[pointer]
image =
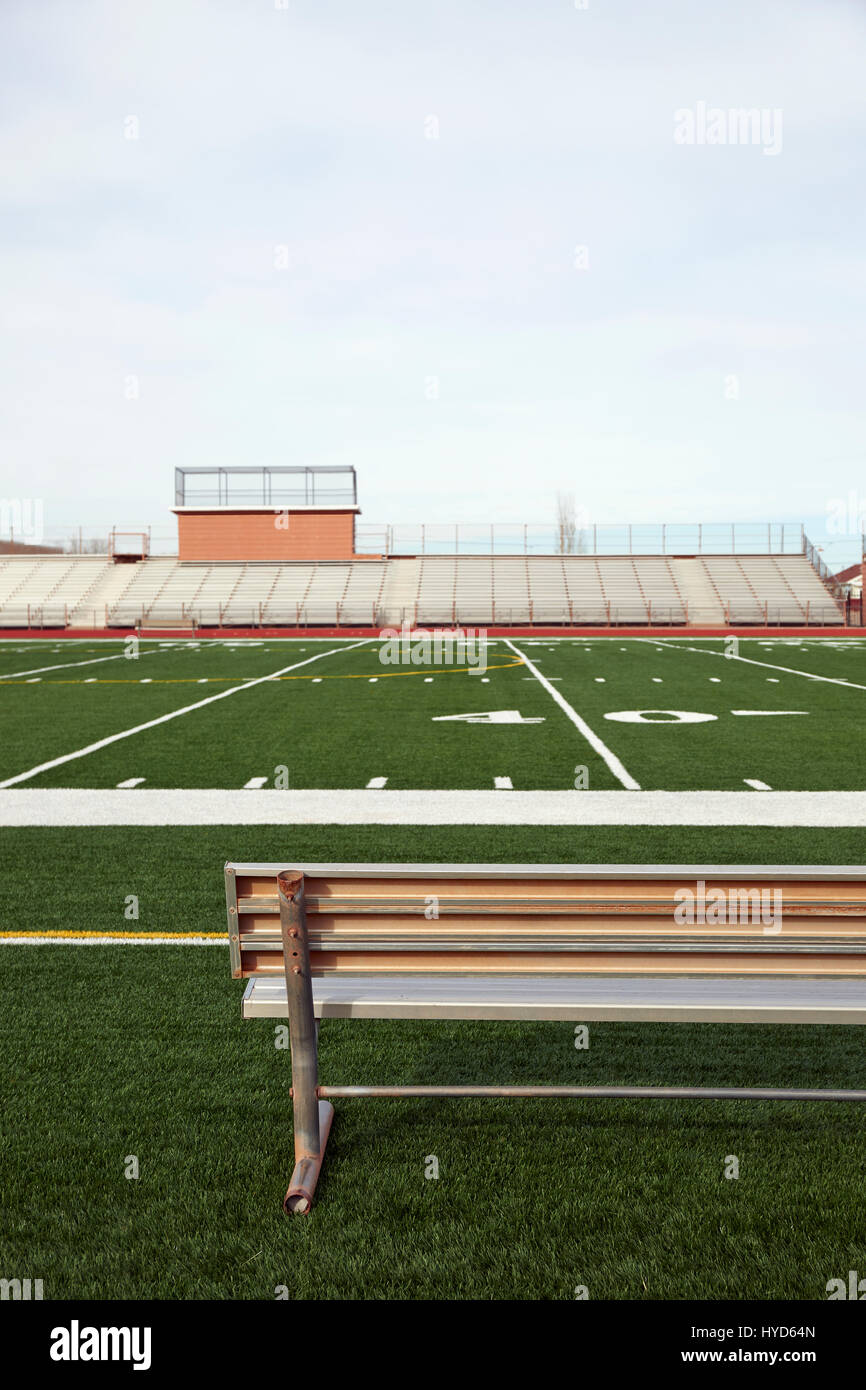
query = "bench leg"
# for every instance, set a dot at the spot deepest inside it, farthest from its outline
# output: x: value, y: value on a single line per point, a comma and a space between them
x: 299, y: 1197
x: 312, y: 1117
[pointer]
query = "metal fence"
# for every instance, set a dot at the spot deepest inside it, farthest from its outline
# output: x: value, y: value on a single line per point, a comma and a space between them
x: 94, y: 540
x: 504, y: 538
x: 265, y: 487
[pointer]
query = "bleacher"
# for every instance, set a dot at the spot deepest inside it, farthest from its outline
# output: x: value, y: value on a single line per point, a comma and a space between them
x: 554, y: 589
x: 547, y: 588
x: 585, y: 592
x: 325, y: 594
x: 434, y: 601
x: 659, y: 590
x: 249, y: 596
x: 511, y: 589
x: 362, y: 595
x: 43, y: 591
x: 769, y: 588
x: 142, y: 592
x: 469, y: 590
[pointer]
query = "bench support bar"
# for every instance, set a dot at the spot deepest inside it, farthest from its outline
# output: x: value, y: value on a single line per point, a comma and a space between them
x: 588, y: 1092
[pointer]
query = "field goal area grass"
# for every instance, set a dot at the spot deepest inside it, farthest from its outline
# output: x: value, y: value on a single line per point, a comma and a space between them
x: 112, y: 1053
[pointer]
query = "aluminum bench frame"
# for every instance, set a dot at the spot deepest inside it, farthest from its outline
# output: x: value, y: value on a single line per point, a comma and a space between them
x: 559, y: 942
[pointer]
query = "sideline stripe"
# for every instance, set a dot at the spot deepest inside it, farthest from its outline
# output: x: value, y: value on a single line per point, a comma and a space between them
x: 75, y: 932
x: 592, y: 739
x: 44, y: 806
x: 751, y: 661
x: 74, y: 938
x: 173, y: 714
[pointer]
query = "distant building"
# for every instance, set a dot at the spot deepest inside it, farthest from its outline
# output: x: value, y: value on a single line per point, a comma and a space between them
x: 851, y: 580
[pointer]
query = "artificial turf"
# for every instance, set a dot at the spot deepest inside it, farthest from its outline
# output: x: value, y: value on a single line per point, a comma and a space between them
x: 116, y: 1051
x: 345, y: 718
x: 121, y: 1051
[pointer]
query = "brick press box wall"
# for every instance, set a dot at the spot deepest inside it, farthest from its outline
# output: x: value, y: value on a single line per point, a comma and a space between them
x: 266, y: 533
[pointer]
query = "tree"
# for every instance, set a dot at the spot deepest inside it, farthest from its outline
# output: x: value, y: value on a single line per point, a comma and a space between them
x: 566, y: 524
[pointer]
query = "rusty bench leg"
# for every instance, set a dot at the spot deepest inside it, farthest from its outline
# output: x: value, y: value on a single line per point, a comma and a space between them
x: 312, y: 1117
x: 299, y: 1197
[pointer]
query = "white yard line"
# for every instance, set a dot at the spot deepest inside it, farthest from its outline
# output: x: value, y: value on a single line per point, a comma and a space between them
x: 377, y: 783
x: 64, y: 665
x: 172, y: 939
x: 42, y: 806
x: 503, y: 784
x: 757, y: 784
x: 751, y: 661
x: 592, y: 738
x: 173, y: 714
x: 767, y: 713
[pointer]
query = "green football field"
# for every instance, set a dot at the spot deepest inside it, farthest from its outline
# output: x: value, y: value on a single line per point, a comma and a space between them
x: 607, y: 713
x: 138, y: 1051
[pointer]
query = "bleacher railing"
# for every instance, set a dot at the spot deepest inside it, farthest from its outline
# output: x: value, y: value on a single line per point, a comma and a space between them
x: 534, y: 614
x: 504, y: 538
x: 819, y: 566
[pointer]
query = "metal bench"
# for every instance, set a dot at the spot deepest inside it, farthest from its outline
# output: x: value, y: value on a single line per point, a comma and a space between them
x: 322, y: 941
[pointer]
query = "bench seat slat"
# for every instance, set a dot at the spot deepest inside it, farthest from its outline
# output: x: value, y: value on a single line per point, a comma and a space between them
x: 581, y: 999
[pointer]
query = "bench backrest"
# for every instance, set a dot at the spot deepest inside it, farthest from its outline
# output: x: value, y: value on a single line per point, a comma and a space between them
x: 553, y: 919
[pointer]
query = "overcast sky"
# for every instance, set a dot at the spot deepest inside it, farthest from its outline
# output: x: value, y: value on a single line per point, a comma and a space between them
x: 455, y: 244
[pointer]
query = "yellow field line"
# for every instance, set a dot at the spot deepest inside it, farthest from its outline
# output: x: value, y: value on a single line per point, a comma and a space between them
x: 213, y: 680
x: 121, y: 935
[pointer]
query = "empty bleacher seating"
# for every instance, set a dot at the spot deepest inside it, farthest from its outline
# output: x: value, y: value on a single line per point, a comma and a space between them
x: 769, y: 588
x: 586, y: 595
x: 555, y: 589
x: 141, y: 593
x: 436, y: 586
x: 43, y: 591
x: 548, y: 589
x: 249, y: 595
x: 324, y: 592
x: 511, y: 602
x: 470, y: 590
x: 362, y: 596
